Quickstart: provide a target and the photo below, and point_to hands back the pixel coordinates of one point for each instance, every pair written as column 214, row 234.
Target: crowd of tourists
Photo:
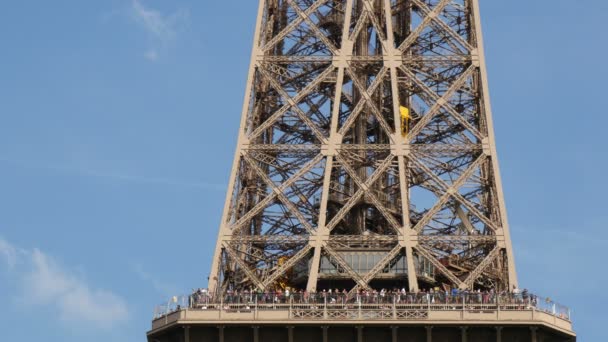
column 202, row 297
column 434, row 298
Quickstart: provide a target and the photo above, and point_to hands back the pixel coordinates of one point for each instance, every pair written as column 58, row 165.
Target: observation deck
column 323, row 317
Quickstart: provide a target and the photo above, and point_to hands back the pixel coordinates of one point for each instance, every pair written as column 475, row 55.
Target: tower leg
column 221, row 333
column 464, row 337
column 533, row 333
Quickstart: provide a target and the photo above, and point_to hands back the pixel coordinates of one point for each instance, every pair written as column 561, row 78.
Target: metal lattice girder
column 430, row 257
column 428, row 18
column 293, row 25
column 444, row 27
column 277, row 191
column 292, row 208
column 243, row 266
column 450, row 191
column 289, row 264
column 491, row 239
column 327, row 165
column 379, row 266
column 482, row 267
column 441, row 101
column 363, row 186
column 364, row 189
column 346, row 267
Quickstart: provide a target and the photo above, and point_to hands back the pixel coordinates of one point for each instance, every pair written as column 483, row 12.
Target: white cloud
column 116, row 176
column 159, row 286
column 162, row 28
column 46, row 283
column 151, row 55
column 9, row 253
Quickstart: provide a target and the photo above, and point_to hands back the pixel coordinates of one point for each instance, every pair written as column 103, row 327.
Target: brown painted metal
column 327, row 167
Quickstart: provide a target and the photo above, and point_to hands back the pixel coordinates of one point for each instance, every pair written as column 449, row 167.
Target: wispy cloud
column 122, row 177
column 9, row 253
column 151, row 55
column 162, row 28
column 45, row 282
column 159, row 286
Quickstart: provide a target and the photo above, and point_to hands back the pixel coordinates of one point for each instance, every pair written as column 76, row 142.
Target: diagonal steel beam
column 286, row 266
column 362, row 189
column 458, row 196
column 443, row 200
column 351, row 273
column 359, row 26
column 319, row 34
column 488, row 222
column 292, row 26
column 370, row 103
column 243, row 266
column 264, row 203
column 369, row 7
column 441, row 102
column 294, row 106
column 489, row 259
column 446, row 28
column 430, row 257
column 280, row 190
column 292, row 102
column 362, row 102
column 379, row 267
column 362, row 186
column 425, row 22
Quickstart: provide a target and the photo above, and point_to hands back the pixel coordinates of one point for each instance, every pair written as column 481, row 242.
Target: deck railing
column 325, row 302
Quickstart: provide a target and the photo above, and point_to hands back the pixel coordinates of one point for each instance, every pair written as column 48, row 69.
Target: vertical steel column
column 224, row 230
column 533, row 334
column 256, row 334
column 491, row 141
column 221, row 333
column 322, row 233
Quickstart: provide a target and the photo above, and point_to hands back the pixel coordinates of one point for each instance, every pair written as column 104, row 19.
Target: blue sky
column 118, row 124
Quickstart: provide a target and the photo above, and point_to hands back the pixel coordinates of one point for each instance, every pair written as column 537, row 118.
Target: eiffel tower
column 366, row 160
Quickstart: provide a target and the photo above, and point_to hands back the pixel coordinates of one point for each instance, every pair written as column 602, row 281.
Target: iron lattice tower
column 366, row 154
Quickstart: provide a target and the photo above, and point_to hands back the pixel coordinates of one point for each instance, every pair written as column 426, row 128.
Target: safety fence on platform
column 430, row 301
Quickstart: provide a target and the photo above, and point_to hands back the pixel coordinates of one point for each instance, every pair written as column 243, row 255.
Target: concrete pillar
column 186, row 334
column 395, row 333
column 256, row 334
column 429, row 334
column 463, row 334
column 325, row 333
column 359, row 334
column 290, row 334
column 498, row 334
column 221, row 333
column 533, row 333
